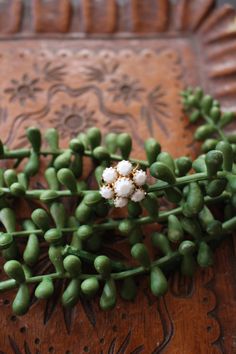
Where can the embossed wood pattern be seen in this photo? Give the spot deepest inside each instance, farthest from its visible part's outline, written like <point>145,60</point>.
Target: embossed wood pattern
<point>119,65</point>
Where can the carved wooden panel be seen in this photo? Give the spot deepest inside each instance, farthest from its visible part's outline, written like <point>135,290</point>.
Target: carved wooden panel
<point>124,75</point>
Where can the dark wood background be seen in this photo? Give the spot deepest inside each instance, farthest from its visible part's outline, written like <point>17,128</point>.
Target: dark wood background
<point>120,65</point>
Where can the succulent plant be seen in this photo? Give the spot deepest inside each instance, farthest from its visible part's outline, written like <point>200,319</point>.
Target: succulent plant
<point>187,229</point>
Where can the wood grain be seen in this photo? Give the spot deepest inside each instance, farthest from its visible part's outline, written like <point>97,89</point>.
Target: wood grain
<point>119,65</point>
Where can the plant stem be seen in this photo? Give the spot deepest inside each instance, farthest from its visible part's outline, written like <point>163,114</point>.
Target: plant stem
<point>211,122</point>
<point>196,177</point>
<point>114,223</point>
<point>162,263</point>
<point>115,157</point>
<point>89,257</point>
<point>160,186</point>
<point>23,153</point>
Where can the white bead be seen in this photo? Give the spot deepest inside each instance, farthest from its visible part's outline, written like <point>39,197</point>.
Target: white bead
<point>120,202</point>
<point>140,177</point>
<point>124,168</point>
<point>109,175</point>
<point>138,195</point>
<point>123,187</point>
<point>106,192</point>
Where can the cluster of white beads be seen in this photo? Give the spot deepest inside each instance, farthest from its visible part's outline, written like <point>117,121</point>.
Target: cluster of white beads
<point>123,182</point>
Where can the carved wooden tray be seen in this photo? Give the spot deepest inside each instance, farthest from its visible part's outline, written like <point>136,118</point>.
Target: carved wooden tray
<point>120,65</point>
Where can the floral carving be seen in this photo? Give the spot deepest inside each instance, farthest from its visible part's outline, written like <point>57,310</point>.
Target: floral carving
<point>124,345</point>
<point>100,72</point>
<point>53,73</point>
<point>15,348</point>
<point>24,89</point>
<point>155,111</point>
<point>126,89</point>
<point>70,120</point>
<point>3,115</point>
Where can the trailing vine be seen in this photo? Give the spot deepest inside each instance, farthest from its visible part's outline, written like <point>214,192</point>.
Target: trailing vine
<point>187,229</point>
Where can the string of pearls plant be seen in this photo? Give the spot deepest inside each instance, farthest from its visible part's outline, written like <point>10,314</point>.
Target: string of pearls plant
<point>179,197</point>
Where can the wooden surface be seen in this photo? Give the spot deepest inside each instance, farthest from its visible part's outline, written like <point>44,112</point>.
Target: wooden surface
<point>119,65</point>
